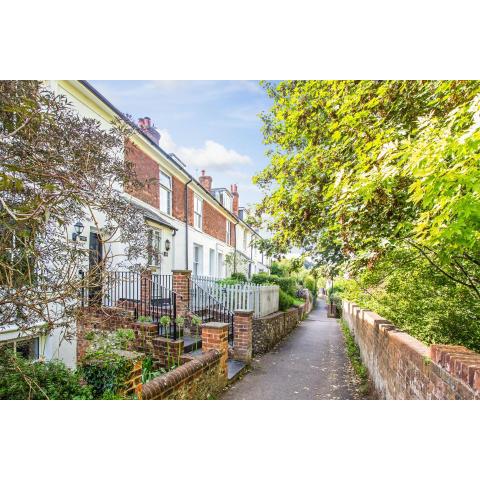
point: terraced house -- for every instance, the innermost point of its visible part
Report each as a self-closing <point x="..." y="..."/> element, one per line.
<point x="193" y="226"/>
<point x="190" y="225"/>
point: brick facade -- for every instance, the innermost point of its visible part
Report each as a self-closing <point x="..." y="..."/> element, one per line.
<point x="214" y="222"/>
<point x="401" y="367"/>
<point x="147" y="170"/>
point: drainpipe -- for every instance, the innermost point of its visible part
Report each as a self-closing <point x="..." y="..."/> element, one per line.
<point x="234" y="248"/>
<point x="186" y="223"/>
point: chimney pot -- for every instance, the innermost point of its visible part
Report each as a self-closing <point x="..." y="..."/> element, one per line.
<point x="235" y="203"/>
<point x="205" y="181"/>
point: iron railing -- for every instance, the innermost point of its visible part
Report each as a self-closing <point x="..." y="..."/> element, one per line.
<point x="149" y="296"/>
<point x="208" y="308"/>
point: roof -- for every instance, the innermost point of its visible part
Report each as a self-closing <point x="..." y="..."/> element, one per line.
<point x="154" y="217"/>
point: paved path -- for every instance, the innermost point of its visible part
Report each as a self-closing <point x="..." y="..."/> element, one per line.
<point x="309" y="364"/>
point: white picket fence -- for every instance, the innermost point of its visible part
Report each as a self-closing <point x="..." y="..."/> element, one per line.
<point x="262" y="299"/>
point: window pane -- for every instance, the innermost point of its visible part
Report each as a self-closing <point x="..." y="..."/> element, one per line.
<point x="165" y="180"/>
<point x="165" y="200"/>
<point x="28" y="348"/>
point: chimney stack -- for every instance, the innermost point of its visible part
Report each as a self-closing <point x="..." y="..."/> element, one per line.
<point x="145" y="125"/>
<point x="235" y="205"/>
<point x="205" y="181"/>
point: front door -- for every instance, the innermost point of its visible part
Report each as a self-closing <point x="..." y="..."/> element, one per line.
<point x="95" y="269"/>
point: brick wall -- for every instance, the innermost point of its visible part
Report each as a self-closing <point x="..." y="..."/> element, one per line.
<point x="214" y="223"/>
<point x="197" y="379"/>
<point x="147" y="170"/>
<point x="402" y="367"/>
<point x="269" y="330"/>
<point x="111" y="319"/>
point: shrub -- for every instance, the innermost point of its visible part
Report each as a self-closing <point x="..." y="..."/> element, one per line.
<point x="103" y="367"/>
<point x="310" y="283"/>
<point x="238" y="276"/>
<point x="22" y="379"/>
<point x="285" y="301"/>
<point x="279" y="270"/>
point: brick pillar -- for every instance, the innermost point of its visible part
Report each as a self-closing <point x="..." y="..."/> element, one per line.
<point x="146" y="287"/>
<point x="166" y="350"/>
<point x="215" y="337"/>
<point x="242" y="335"/>
<point x="181" y="286"/>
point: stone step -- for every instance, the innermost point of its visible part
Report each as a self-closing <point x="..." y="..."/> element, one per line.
<point x="235" y="368"/>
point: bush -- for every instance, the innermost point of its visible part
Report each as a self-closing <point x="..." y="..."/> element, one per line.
<point x="279" y="270"/>
<point x="310" y="283"/>
<point x="285" y="301"/>
<point x="238" y="276"/>
<point x="22" y="379"/>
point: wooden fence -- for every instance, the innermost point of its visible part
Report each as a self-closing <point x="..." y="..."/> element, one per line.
<point x="262" y="299"/>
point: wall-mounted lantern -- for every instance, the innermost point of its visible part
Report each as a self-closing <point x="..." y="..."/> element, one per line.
<point x="78" y="230"/>
<point x="167" y="248"/>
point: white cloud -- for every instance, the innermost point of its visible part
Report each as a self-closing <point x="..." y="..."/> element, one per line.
<point x="211" y="154"/>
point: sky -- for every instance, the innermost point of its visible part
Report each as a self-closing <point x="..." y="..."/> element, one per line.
<point x="211" y="125"/>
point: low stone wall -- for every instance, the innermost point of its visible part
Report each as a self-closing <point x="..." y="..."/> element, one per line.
<point x="198" y="379"/>
<point x="269" y="330"/>
<point x="402" y="367"/>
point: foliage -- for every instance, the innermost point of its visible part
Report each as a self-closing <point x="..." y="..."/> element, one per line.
<point x="104" y="367"/>
<point x="21" y="379"/>
<point x="353" y="352"/>
<point x="144" y="319"/>
<point x="236" y="262"/>
<point x="406" y="289"/>
<point x="56" y="168"/>
<point x="239" y="276"/>
<point x="285" y="301"/>
<point x="359" y="168"/>
<point x="148" y="371"/>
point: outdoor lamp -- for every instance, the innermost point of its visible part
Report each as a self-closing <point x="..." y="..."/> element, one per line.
<point x="78" y="230"/>
<point x="167" y="245"/>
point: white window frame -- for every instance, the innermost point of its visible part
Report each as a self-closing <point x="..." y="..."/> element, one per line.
<point x="228" y="235"/>
<point x="154" y="247"/>
<point x="166" y="186"/>
<point x="14" y="342"/>
<point x="211" y="262"/>
<point x="197" y="262"/>
<point x="220" y="265"/>
<point x="198" y="212"/>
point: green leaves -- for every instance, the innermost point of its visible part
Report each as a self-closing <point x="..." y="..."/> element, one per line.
<point x="357" y="167"/>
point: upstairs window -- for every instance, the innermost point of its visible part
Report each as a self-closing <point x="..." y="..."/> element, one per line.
<point x="197" y="215"/>
<point x="229" y="233"/>
<point x="165" y="193"/>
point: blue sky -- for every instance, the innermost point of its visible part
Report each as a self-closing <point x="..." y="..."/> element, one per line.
<point x="208" y="124"/>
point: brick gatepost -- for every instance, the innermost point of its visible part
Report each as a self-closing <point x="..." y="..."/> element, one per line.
<point x="146" y="288"/>
<point x="242" y="335"/>
<point x="215" y="337"/>
<point x="181" y="286"/>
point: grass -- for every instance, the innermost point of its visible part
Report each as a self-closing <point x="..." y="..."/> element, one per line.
<point x="353" y="353"/>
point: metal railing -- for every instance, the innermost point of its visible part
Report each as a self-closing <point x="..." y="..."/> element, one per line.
<point x="208" y="308"/>
<point x="149" y="296"/>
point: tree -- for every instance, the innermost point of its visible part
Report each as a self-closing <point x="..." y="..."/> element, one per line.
<point x="56" y="168"/>
<point x="358" y="168"/>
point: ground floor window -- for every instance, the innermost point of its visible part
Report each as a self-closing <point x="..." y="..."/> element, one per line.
<point x="154" y="247"/>
<point x="211" y="263"/>
<point x="220" y="265"/>
<point x="197" y="259"/>
<point x="27" y="348"/>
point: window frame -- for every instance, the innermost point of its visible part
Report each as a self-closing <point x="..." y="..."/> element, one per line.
<point x="198" y="215"/>
<point x="228" y="234"/>
<point x="197" y="267"/>
<point x="14" y="342"/>
<point x="168" y="189"/>
<point x="154" y="253"/>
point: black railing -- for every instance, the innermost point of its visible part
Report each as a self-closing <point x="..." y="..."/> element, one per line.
<point x="149" y="296"/>
<point x="209" y="309"/>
